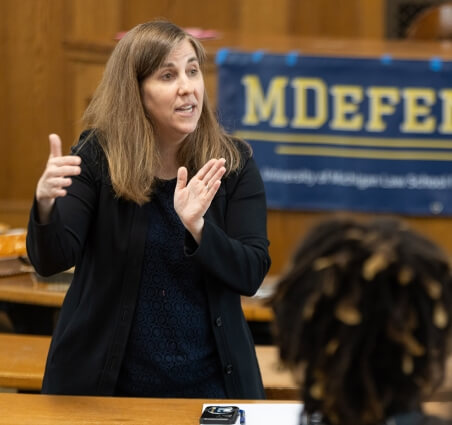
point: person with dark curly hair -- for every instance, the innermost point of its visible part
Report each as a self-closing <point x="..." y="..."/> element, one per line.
<point x="362" y="318"/>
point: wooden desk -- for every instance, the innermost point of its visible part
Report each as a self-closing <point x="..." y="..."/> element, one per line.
<point x="23" y="289"/>
<point x="32" y="409"/>
<point x="24" y="409"/>
<point x="254" y="308"/>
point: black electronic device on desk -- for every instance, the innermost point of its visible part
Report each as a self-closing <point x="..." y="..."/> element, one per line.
<point x="217" y="415"/>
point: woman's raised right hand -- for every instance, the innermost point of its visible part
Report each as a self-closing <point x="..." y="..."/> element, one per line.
<point x="56" y="177"/>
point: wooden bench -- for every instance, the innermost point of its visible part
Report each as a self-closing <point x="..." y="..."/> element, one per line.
<point x="279" y="384"/>
<point x="23" y="357"/>
<point x="278" y="381"/>
<point x="22" y="361"/>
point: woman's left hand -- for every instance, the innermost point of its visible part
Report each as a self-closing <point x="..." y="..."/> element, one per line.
<point x="192" y="200"/>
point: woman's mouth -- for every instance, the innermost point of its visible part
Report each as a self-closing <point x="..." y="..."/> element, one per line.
<point x="186" y="108"/>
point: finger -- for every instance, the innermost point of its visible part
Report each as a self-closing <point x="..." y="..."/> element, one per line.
<point x="212" y="188"/>
<point x="50" y="193"/>
<point x="205" y="169"/>
<point x="182" y="176"/>
<point x="218" y="175"/>
<point x="56" y="193"/>
<point x="61" y="161"/>
<point x="65" y="170"/>
<point x="213" y="170"/>
<point x="61" y="182"/>
<point x="55" y="145"/>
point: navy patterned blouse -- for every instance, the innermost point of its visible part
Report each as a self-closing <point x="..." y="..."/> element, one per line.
<point x="171" y="350"/>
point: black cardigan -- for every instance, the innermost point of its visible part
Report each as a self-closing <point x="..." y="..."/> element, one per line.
<point x="104" y="238"/>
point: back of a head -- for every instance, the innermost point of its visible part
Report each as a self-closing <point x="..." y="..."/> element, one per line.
<point x="363" y="317"/>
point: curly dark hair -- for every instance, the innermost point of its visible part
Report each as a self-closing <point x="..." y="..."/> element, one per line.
<point x="363" y="318"/>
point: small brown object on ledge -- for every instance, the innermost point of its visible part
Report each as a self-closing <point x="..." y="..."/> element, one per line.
<point x="12" y="243"/>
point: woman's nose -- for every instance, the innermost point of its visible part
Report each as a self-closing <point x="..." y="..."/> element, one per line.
<point x="185" y="85"/>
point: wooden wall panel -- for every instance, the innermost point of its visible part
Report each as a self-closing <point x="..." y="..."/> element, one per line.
<point x="32" y="98"/>
<point x="220" y="15"/>
<point x="265" y="17"/>
<point x="85" y="66"/>
<point x="371" y="18"/>
<point x="337" y="18"/>
<point x="4" y="142"/>
<point x="287" y="228"/>
<point x="92" y="21"/>
<point x="320" y="18"/>
<point x="86" y="78"/>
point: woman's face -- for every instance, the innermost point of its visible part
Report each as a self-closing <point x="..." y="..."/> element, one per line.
<point x="173" y="94"/>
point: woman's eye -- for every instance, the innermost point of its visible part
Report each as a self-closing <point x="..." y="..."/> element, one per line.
<point x="194" y="71"/>
<point x="167" y="76"/>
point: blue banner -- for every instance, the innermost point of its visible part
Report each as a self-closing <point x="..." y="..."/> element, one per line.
<point x="334" y="133"/>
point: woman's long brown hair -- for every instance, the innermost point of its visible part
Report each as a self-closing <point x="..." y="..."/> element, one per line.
<point x="117" y="117"/>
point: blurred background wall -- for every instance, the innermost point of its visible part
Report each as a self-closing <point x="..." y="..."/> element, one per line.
<point x="53" y="53"/>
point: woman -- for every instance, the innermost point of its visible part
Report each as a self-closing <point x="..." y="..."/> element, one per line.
<point x="363" y="320"/>
<point x="164" y="217"/>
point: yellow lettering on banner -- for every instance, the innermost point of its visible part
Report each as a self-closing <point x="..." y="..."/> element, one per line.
<point x="301" y="118"/>
<point x="259" y="108"/>
<point x="414" y="111"/>
<point x="345" y="101"/>
<point x="417" y="104"/>
<point x="378" y="107"/>
<point x="446" y="124"/>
